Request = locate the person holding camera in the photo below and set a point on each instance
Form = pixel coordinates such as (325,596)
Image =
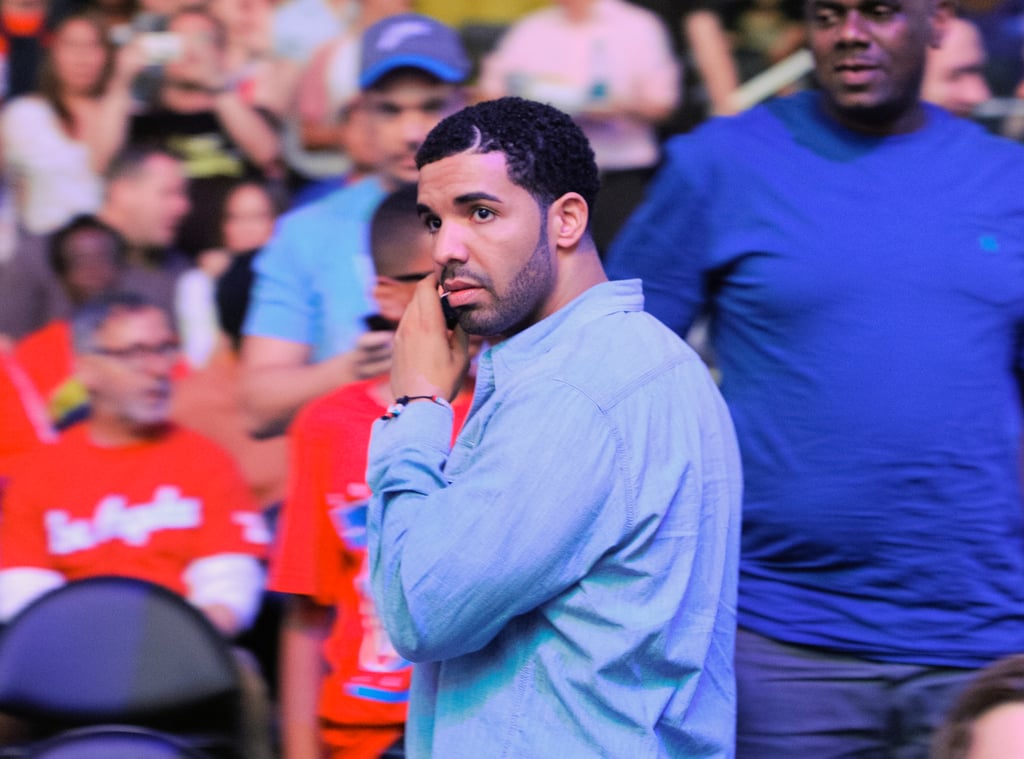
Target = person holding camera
(201,117)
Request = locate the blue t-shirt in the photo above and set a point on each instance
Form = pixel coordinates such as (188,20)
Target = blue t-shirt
(314,279)
(867,298)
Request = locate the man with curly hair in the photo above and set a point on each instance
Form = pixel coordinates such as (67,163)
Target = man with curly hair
(564,575)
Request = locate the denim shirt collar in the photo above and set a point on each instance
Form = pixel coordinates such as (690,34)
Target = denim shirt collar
(534,342)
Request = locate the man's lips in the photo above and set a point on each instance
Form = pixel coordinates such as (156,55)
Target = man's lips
(856,72)
(460,292)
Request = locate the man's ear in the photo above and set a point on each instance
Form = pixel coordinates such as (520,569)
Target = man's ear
(943,12)
(567,218)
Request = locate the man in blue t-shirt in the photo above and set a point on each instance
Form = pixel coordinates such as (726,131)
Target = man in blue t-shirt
(861,256)
(305,330)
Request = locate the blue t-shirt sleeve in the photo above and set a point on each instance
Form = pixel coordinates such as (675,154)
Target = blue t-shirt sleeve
(664,243)
(279,307)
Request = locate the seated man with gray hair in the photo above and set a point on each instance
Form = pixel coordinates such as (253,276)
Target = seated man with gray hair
(128,493)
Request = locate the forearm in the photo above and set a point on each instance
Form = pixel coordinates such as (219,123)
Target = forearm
(647,109)
(248,129)
(316,136)
(273,394)
(303,631)
(110,130)
(711,52)
(223,618)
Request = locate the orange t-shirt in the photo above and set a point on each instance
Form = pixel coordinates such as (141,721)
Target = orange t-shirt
(320,552)
(24,423)
(146,510)
(48,360)
(209,400)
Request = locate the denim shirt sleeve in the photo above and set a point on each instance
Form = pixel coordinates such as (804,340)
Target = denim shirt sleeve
(461,542)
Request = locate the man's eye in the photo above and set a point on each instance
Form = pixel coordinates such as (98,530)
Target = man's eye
(880,12)
(432,223)
(483,214)
(825,16)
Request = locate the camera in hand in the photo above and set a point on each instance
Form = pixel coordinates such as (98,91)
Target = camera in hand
(160,47)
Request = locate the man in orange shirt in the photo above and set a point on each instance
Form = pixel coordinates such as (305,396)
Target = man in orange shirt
(357,709)
(24,423)
(128,492)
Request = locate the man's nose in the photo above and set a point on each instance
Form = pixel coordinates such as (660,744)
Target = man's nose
(415,126)
(160,363)
(449,245)
(853,28)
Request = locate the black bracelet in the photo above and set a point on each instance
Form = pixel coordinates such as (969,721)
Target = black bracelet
(399,405)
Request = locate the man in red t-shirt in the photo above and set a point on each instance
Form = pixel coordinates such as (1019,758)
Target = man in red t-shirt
(127,492)
(356,709)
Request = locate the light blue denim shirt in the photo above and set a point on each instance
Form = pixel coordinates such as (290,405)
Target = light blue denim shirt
(565,574)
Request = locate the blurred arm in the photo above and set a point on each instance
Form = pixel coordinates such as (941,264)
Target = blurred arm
(712,53)
(109,131)
(227,588)
(248,128)
(277,380)
(303,630)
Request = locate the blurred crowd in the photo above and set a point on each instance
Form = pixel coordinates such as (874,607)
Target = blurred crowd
(214,196)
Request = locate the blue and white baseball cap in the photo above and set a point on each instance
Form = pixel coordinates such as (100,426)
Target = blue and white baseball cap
(411,40)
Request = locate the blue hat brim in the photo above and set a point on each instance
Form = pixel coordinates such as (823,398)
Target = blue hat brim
(443,71)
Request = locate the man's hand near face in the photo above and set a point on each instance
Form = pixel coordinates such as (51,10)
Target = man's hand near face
(428,358)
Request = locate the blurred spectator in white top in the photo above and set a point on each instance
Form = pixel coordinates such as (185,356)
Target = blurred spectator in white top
(204,119)
(247,221)
(299,28)
(256,74)
(610,65)
(53,148)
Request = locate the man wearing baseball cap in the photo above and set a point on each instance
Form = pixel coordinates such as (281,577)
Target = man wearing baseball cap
(305,331)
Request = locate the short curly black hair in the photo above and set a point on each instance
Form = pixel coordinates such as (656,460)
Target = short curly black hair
(546,153)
